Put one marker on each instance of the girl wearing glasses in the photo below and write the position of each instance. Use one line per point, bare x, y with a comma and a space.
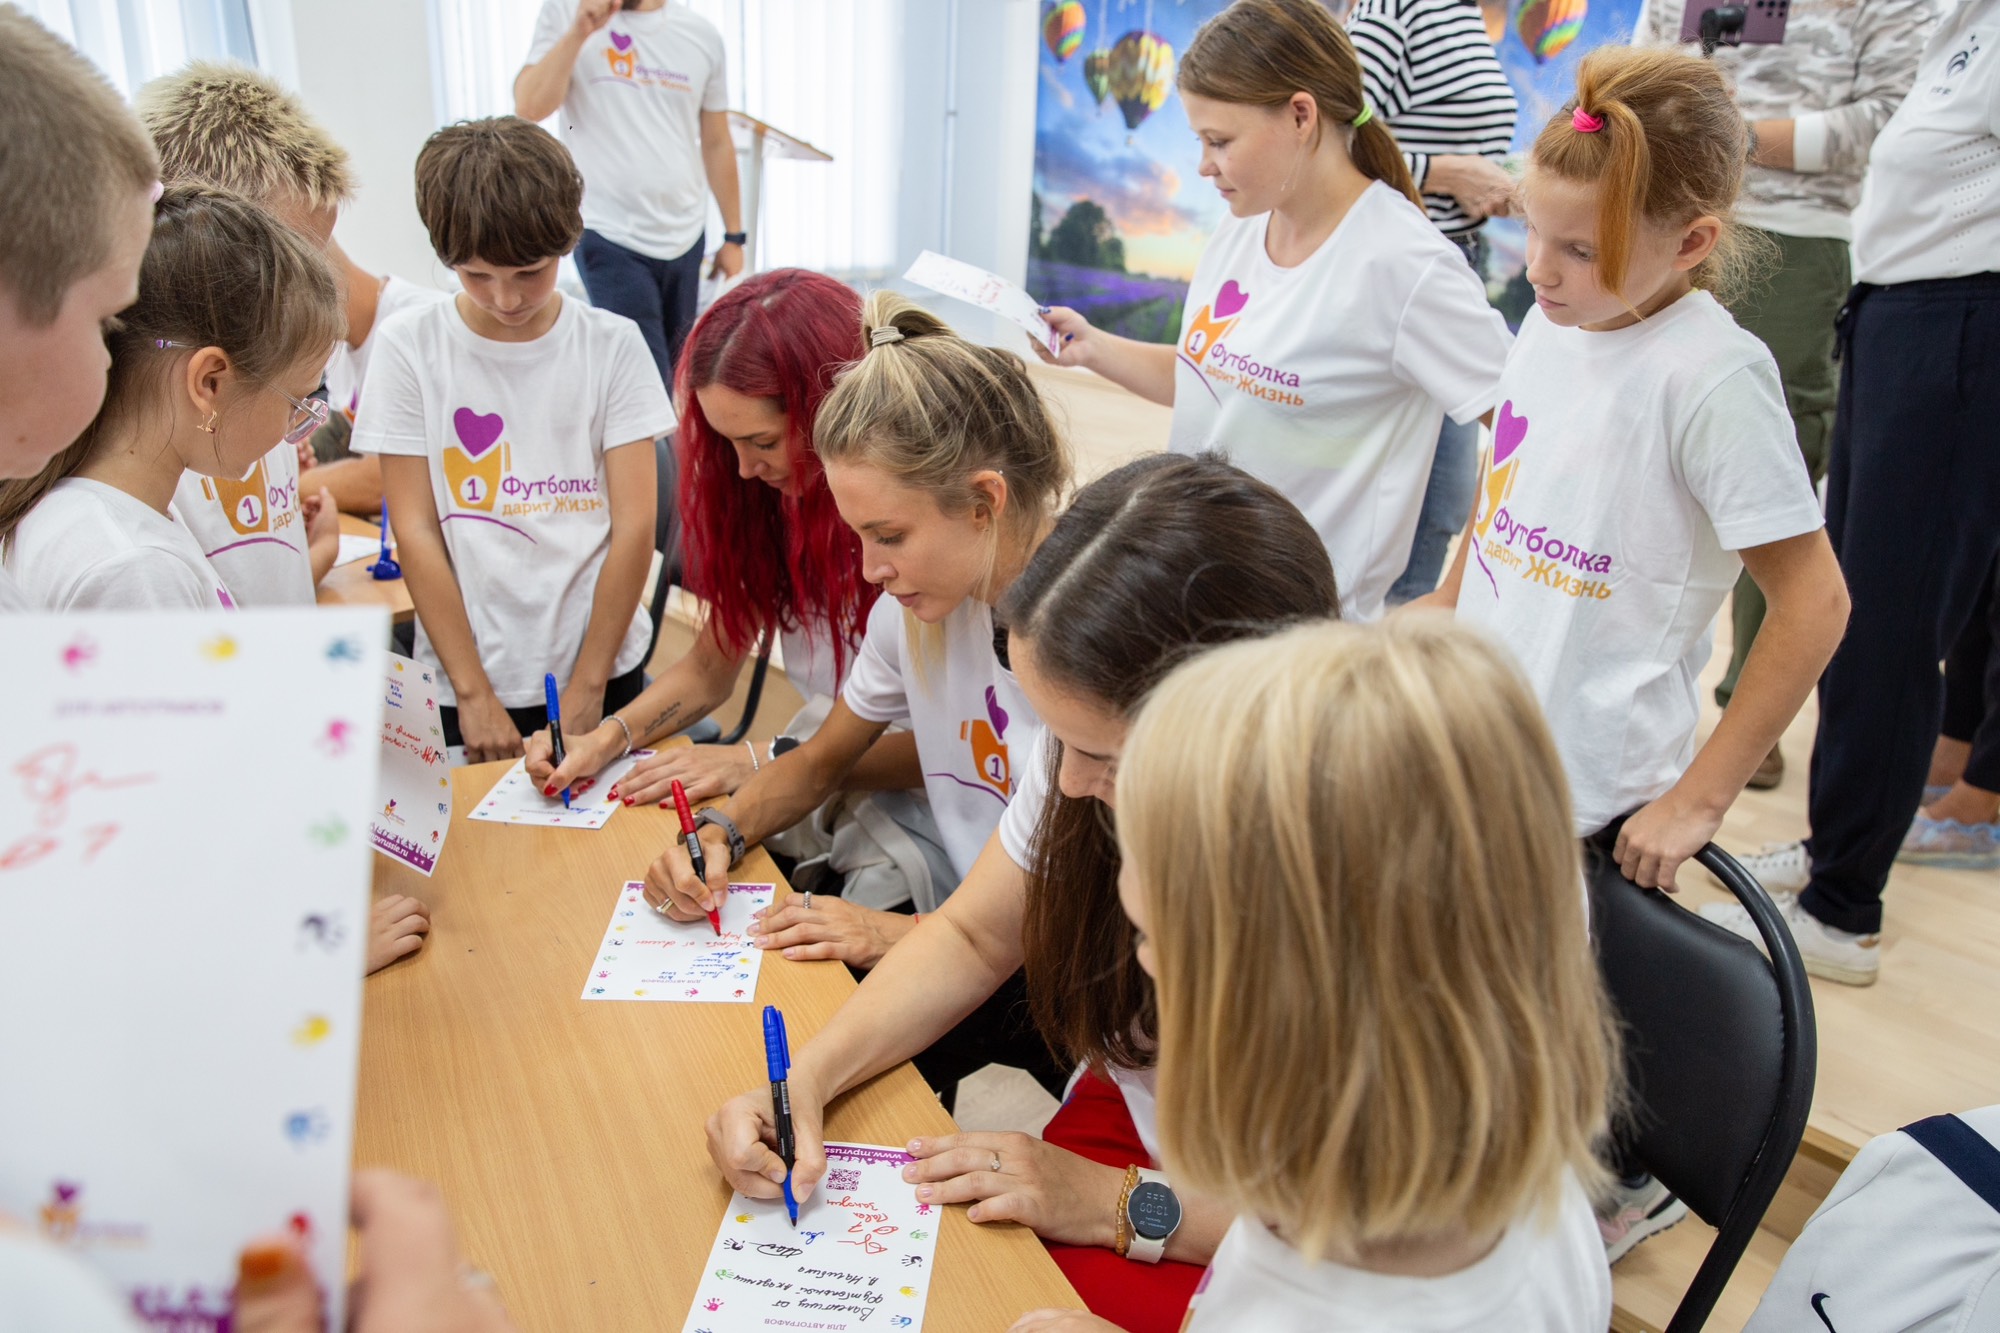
212, 363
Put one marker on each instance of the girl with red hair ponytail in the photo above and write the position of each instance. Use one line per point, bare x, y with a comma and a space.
764, 547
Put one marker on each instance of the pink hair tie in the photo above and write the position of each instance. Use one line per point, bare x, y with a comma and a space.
1584, 123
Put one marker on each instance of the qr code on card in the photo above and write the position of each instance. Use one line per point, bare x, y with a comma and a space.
843, 1178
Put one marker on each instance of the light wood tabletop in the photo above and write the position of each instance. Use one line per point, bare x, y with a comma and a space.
567, 1135
352, 585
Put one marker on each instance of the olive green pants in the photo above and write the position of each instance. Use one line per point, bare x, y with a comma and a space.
1792, 309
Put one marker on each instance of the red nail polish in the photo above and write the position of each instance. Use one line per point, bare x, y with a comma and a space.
614, 793
549, 791
628, 799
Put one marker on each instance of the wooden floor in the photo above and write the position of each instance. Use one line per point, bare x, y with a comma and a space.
1922, 1040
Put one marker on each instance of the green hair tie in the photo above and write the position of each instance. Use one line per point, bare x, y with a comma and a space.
1367, 114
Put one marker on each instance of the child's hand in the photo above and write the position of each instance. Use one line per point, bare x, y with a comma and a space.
705, 772
396, 929
322, 518
1076, 333
582, 708
276, 1291
1660, 836
488, 732
584, 755
411, 1274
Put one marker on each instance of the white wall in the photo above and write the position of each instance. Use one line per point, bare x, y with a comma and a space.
992, 140
364, 69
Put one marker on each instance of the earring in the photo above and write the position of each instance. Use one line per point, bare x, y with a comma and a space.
209, 425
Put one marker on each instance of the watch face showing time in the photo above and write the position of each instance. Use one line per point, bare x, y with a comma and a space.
1154, 1210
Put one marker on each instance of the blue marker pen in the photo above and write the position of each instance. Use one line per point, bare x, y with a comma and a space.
555, 724
778, 1061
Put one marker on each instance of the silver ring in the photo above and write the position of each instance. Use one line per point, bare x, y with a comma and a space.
996, 1163
807, 900
661, 908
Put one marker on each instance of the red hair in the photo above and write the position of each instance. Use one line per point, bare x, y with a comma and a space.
763, 559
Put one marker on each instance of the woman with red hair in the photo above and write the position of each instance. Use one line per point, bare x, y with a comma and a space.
764, 547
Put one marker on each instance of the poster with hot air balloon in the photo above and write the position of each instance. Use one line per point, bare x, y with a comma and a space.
1062, 28
1121, 211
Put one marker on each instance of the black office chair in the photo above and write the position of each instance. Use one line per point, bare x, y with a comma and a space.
666, 530
1720, 1054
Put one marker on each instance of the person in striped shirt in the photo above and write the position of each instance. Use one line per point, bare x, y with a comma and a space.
1431, 72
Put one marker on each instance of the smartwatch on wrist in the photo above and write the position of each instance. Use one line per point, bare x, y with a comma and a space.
729, 831
1152, 1215
736, 238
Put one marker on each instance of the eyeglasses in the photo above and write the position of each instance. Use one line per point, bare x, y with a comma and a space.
307, 416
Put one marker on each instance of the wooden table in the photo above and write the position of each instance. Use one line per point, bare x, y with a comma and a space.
568, 1136
353, 585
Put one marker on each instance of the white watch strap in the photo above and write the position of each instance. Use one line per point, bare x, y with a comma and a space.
1140, 1248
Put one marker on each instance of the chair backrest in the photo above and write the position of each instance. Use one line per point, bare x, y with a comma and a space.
1720, 1053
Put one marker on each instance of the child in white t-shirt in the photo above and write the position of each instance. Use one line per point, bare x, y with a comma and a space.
213, 362
940, 455
1642, 458
270, 533
79, 176
1329, 328
355, 480
516, 430
1401, 1105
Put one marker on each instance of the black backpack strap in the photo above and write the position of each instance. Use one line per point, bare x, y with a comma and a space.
1964, 1152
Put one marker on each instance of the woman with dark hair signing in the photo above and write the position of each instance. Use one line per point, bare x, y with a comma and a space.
1130, 581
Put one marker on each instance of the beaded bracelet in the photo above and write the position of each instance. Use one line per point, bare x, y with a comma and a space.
628, 733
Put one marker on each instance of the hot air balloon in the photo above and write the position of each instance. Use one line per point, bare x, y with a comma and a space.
1547, 26
1142, 74
1062, 28
1097, 73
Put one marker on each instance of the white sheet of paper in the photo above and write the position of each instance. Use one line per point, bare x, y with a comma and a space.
646, 956
988, 291
413, 803
860, 1258
184, 877
516, 800
354, 548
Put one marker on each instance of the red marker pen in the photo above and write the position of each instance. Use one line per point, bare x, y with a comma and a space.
693, 845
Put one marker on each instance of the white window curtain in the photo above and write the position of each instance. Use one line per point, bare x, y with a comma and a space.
133, 41
826, 71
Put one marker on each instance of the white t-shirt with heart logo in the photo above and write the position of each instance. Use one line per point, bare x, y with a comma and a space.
253, 530
632, 119
974, 727
516, 435
1330, 380
1627, 470
86, 546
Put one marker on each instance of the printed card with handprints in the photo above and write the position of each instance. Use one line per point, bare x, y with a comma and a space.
646, 956
515, 799
184, 876
860, 1257
413, 803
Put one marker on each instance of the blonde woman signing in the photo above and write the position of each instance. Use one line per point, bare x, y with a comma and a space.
1329, 327
1129, 582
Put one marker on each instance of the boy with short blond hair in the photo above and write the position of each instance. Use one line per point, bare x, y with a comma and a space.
231, 126
516, 432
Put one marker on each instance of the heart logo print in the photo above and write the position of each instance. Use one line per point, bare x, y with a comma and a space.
477, 433
621, 41
1230, 300
1508, 432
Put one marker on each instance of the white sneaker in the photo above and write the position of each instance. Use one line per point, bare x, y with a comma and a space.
1633, 1213
1781, 867
1828, 951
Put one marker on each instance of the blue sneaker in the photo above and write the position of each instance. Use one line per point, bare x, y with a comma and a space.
1950, 844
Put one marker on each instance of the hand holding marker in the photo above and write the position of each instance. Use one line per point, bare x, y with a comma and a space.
692, 842
778, 1059
555, 725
